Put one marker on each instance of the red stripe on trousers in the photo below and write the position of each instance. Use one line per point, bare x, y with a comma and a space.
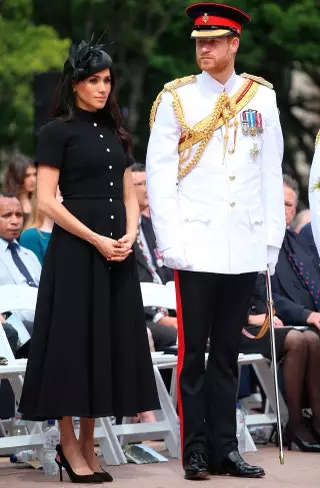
181, 349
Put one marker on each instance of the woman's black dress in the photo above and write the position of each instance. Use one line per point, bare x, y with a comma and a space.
89, 353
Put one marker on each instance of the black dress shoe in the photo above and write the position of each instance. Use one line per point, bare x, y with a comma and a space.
234, 465
196, 466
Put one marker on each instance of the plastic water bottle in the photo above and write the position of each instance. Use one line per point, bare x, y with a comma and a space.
18, 426
241, 426
23, 456
51, 439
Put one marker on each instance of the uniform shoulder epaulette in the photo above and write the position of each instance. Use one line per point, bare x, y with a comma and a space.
258, 79
178, 82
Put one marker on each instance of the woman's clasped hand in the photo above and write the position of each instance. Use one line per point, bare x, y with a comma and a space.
115, 250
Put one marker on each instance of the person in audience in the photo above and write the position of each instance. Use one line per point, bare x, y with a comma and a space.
37, 231
7, 398
161, 322
307, 234
18, 265
20, 179
11, 333
300, 351
296, 282
89, 354
302, 218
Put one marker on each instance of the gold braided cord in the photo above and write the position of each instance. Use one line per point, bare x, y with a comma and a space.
223, 103
177, 106
224, 111
317, 139
154, 108
172, 85
196, 134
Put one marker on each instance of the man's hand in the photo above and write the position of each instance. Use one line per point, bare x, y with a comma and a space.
169, 321
2, 319
314, 319
174, 258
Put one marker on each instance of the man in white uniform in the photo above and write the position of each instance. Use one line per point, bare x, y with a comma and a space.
314, 194
216, 196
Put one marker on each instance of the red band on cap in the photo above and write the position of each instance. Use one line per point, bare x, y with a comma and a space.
211, 20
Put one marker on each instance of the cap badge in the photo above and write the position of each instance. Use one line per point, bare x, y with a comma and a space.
205, 18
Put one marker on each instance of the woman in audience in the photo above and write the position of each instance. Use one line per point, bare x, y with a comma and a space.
89, 355
300, 352
37, 231
20, 179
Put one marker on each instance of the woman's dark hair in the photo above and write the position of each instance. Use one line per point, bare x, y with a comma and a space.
64, 101
15, 173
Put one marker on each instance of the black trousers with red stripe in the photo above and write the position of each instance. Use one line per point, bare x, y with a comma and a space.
211, 306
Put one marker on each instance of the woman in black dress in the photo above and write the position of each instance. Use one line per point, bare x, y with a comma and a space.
89, 355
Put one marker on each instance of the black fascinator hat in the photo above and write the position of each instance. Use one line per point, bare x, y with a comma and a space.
86, 59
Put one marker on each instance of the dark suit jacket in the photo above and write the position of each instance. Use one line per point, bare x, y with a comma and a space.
286, 289
306, 233
166, 274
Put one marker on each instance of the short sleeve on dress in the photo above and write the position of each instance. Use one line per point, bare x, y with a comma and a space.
51, 144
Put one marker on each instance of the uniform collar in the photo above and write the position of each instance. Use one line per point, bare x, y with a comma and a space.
217, 87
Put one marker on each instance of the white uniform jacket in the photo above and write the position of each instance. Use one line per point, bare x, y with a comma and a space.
223, 215
314, 197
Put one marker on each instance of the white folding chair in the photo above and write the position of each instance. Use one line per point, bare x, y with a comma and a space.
166, 425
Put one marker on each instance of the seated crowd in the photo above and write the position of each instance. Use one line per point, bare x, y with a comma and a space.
24, 236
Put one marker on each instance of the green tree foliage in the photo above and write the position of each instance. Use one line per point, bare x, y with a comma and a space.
25, 49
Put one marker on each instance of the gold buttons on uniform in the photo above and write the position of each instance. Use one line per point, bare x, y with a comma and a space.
232, 204
232, 178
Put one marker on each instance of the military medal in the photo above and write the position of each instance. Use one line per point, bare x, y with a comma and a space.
244, 123
255, 151
159, 258
252, 122
259, 123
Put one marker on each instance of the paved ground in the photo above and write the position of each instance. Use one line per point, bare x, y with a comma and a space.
300, 470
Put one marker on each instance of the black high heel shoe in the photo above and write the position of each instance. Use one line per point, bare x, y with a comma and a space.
75, 478
303, 446
104, 475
